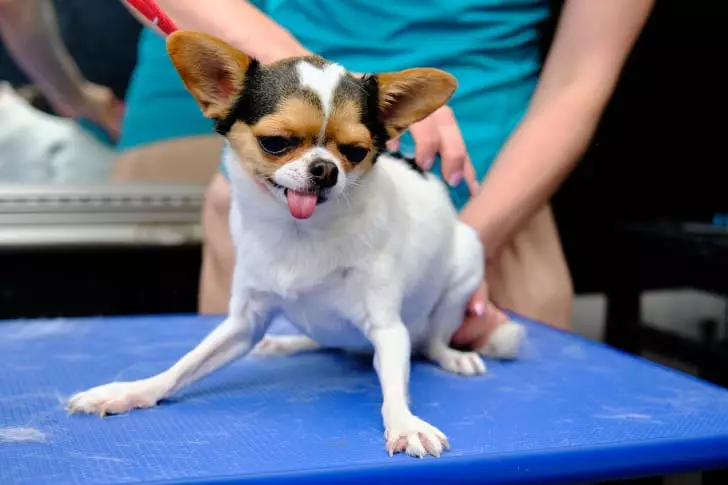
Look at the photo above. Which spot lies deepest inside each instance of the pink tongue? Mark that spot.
(301, 205)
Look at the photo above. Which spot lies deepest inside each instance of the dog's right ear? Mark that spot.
(212, 70)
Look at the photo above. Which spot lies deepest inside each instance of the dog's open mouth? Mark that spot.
(301, 204)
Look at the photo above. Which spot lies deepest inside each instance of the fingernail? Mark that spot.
(428, 163)
(455, 179)
(479, 309)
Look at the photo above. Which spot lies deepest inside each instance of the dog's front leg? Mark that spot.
(403, 430)
(233, 338)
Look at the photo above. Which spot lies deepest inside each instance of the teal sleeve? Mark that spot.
(158, 106)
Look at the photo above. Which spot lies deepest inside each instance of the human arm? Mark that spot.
(141, 18)
(592, 42)
(237, 22)
(29, 29)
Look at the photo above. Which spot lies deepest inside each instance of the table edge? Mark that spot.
(574, 465)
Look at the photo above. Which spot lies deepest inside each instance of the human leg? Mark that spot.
(218, 252)
(164, 136)
(531, 277)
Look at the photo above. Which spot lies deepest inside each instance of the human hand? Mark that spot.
(481, 319)
(439, 133)
(100, 105)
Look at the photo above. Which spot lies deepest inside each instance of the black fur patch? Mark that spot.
(371, 116)
(411, 162)
(262, 91)
(372, 119)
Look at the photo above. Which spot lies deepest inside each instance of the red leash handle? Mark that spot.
(151, 11)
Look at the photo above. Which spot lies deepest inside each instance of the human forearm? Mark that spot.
(591, 44)
(238, 23)
(533, 163)
(30, 33)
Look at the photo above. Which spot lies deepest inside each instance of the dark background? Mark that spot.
(659, 151)
(658, 154)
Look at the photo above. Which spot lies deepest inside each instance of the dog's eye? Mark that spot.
(354, 153)
(277, 145)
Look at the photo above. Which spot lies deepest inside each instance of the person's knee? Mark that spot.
(550, 303)
(215, 220)
(193, 159)
(553, 303)
(534, 285)
(216, 203)
(218, 255)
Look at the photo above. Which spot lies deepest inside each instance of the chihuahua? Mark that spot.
(360, 250)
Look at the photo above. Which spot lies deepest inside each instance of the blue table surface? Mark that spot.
(568, 411)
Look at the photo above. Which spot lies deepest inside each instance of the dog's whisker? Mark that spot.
(346, 198)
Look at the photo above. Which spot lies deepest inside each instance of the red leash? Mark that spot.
(151, 11)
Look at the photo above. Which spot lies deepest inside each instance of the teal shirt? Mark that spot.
(491, 46)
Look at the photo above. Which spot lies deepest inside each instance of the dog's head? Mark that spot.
(303, 127)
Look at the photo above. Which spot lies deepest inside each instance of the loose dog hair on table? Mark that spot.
(358, 249)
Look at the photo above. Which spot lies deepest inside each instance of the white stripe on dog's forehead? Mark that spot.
(323, 81)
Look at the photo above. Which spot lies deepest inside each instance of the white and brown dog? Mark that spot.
(359, 250)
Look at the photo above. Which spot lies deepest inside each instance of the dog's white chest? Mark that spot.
(330, 312)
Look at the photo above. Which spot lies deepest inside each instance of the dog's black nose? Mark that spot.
(324, 173)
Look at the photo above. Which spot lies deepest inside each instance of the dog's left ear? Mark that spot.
(409, 96)
(212, 70)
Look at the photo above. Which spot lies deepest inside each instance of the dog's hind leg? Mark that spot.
(284, 345)
(466, 275)
(438, 349)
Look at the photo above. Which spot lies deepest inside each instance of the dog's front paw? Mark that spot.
(115, 398)
(415, 437)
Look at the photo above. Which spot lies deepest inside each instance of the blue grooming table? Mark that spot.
(570, 411)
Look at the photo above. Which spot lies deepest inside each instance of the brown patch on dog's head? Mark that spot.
(295, 116)
(351, 139)
(303, 124)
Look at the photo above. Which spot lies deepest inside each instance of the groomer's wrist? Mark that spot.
(486, 227)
